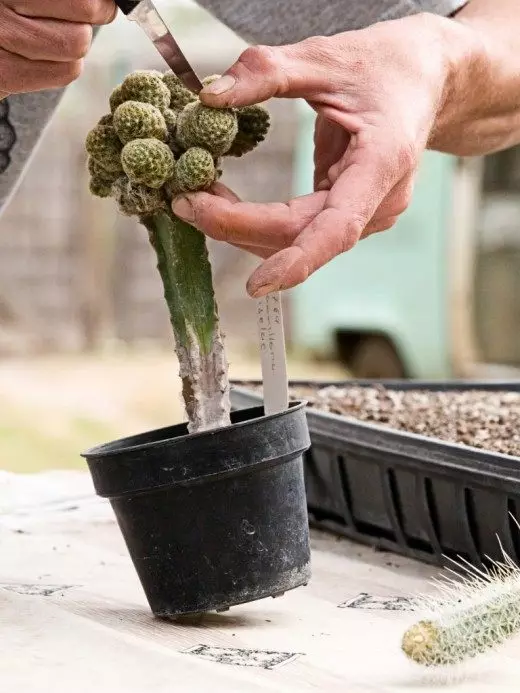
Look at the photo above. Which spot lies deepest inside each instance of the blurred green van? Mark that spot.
(436, 297)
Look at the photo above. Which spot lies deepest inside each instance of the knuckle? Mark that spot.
(76, 41)
(259, 57)
(96, 11)
(209, 220)
(266, 61)
(355, 227)
(220, 231)
(315, 45)
(407, 156)
(400, 205)
(270, 62)
(387, 223)
(70, 73)
(401, 200)
(318, 50)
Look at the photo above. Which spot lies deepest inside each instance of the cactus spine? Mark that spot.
(160, 141)
(473, 615)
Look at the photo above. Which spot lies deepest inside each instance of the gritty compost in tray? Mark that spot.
(477, 418)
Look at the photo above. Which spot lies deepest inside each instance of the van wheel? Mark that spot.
(376, 358)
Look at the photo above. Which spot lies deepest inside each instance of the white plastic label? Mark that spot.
(272, 352)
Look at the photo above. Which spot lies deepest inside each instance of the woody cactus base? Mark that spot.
(158, 141)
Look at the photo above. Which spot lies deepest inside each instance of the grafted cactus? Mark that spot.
(158, 141)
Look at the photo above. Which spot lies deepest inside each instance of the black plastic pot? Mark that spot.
(215, 519)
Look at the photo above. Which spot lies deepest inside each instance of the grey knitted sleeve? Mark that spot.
(275, 22)
(23, 119)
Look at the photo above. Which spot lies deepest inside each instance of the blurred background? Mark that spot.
(85, 343)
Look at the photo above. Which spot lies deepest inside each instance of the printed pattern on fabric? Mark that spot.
(7, 136)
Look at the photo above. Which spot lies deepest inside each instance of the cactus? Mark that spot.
(148, 161)
(105, 147)
(473, 616)
(195, 170)
(134, 120)
(159, 141)
(134, 199)
(146, 86)
(180, 96)
(253, 126)
(212, 129)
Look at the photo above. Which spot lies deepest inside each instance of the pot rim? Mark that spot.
(123, 446)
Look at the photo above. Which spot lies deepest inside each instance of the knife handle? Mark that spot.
(126, 6)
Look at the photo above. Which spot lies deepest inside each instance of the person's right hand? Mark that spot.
(43, 42)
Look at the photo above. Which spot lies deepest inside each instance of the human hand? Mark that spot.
(377, 93)
(43, 42)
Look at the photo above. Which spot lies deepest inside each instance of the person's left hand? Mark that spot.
(377, 93)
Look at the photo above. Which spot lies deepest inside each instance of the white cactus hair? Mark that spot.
(474, 612)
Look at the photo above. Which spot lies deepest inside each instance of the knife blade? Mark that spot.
(144, 13)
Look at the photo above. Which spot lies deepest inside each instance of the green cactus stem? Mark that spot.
(158, 142)
(185, 271)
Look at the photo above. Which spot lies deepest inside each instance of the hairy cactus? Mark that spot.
(472, 616)
(160, 141)
(134, 199)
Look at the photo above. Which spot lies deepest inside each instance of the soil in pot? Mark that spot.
(477, 418)
(215, 519)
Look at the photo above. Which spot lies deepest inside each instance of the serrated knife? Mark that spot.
(147, 16)
(269, 308)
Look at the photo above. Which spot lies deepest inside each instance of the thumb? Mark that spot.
(260, 73)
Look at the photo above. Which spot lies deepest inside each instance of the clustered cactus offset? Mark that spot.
(159, 141)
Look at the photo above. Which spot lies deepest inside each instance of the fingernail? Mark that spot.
(220, 86)
(263, 290)
(183, 208)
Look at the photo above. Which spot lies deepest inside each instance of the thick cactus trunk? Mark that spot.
(186, 275)
(158, 141)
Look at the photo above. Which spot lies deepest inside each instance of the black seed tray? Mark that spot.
(405, 493)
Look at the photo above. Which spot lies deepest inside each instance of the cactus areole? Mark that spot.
(159, 141)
